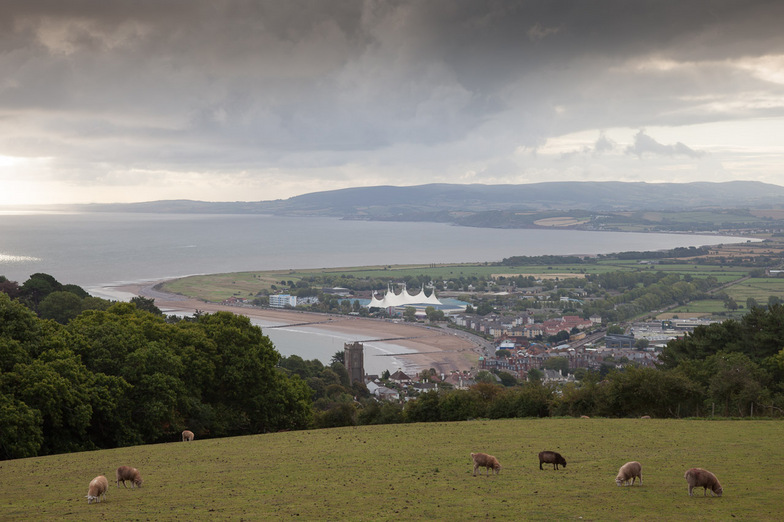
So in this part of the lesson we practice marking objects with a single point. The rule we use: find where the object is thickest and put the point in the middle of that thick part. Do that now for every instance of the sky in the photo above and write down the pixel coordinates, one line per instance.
(142, 100)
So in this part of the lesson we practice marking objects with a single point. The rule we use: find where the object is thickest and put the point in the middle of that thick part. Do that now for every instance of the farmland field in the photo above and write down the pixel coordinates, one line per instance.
(759, 288)
(420, 471)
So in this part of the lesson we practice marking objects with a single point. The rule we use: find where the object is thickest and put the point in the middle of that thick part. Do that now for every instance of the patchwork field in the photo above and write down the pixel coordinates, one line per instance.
(418, 472)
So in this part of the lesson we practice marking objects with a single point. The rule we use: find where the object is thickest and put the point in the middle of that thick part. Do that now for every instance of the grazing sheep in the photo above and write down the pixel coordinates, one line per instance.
(584, 417)
(187, 436)
(131, 474)
(629, 471)
(702, 478)
(645, 417)
(483, 460)
(97, 489)
(551, 457)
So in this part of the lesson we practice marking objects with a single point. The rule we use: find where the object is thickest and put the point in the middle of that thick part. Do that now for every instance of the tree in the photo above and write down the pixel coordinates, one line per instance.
(484, 308)
(56, 386)
(409, 314)
(641, 344)
(60, 306)
(424, 408)
(615, 329)
(485, 376)
(254, 396)
(146, 304)
(736, 383)
(338, 357)
(507, 379)
(557, 363)
(9, 287)
(434, 315)
(21, 435)
(37, 287)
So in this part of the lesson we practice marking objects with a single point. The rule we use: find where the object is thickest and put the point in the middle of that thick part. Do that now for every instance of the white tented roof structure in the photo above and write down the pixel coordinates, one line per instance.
(391, 299)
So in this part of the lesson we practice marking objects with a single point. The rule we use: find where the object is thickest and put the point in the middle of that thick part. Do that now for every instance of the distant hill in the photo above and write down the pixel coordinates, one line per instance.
(508, 206)
(387, 201)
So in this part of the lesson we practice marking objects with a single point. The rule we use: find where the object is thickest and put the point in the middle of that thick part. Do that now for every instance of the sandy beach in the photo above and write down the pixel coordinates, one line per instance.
(431, 346)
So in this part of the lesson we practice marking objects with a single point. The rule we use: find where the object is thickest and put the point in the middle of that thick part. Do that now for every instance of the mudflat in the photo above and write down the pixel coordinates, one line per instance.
(435, 347)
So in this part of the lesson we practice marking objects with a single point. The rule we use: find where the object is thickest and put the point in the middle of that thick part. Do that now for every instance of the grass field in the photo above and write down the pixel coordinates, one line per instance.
(419, 472)
(217, 287)
(760, 288)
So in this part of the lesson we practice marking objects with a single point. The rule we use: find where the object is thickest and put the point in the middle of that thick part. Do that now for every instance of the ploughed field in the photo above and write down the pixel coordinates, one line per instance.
(420, 471)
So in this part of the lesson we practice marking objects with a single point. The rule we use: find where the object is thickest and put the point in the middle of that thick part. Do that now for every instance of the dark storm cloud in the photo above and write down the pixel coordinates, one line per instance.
(248, 84)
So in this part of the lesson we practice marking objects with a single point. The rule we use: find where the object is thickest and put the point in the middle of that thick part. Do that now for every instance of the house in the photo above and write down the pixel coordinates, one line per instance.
(382, 392)
(284, 300)
(556, 376)
(400, 377)
(422, 387)
(460, 381)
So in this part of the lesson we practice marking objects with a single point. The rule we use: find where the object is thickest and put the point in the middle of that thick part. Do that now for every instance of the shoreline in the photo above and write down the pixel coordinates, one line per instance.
(425, 346)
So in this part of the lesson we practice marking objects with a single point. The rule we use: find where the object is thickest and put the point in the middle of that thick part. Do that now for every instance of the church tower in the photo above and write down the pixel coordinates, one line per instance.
(354, 358)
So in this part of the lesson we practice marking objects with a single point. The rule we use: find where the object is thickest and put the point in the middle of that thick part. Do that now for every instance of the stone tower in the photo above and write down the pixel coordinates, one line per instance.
(354, 357)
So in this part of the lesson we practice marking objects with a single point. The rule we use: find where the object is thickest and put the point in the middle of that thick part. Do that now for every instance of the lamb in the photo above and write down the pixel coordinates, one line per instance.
(485, 461)
(187, 436)
(551, 457)
(629, 471)
(131, 474)
(698, 477)
(584, 417)
(97, 489)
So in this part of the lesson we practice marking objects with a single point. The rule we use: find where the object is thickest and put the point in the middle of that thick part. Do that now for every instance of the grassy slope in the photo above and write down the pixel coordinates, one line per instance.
(419, 471)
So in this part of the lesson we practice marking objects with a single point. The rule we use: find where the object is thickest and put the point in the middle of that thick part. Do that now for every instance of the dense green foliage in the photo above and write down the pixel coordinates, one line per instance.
(124, 376)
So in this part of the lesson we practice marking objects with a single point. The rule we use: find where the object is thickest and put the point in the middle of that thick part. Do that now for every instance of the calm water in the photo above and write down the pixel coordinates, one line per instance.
(97, 250)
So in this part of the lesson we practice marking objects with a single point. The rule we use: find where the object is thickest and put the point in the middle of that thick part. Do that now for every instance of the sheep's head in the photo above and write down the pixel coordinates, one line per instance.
(718, 490)
(618, 481)
(90, 499)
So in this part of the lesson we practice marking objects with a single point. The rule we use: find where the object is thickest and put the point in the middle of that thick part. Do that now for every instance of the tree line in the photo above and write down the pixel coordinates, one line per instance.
(125, 376)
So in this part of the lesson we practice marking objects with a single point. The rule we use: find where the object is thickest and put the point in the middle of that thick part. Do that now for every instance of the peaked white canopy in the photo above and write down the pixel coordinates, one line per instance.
(391, 299)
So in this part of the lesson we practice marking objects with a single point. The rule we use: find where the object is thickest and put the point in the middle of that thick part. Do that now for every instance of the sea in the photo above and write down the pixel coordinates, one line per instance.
(99, 251)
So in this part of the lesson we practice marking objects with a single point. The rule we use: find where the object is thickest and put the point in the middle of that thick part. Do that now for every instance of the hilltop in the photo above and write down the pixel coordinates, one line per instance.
(738, 206)
(417, 472)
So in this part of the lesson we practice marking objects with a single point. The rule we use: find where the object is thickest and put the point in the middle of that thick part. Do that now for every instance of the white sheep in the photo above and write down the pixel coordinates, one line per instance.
(187, 436)
(131, 474)
(97, 489)
(483, 460)
(629, 471)
(702, 478)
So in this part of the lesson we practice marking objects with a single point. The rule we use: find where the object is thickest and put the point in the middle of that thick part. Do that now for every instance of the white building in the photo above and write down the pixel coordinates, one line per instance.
(393, 300)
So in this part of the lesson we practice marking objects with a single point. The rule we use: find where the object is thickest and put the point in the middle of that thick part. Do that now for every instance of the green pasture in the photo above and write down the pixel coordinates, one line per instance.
(217, 287)
(705, 306)
(759, 288)
(420, 472)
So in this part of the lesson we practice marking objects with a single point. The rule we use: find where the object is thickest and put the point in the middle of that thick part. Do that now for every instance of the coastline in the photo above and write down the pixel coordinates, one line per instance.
(424, 346)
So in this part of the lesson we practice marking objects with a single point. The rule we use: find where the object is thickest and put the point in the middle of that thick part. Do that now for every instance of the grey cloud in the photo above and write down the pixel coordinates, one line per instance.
(644, 144)
(242, 84)
(603, 144)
